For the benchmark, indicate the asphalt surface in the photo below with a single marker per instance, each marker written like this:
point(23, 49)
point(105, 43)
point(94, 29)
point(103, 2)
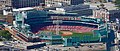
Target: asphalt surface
point(80, 48)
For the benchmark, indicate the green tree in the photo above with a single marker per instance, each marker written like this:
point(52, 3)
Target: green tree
point(5, 35)
point(117, 2)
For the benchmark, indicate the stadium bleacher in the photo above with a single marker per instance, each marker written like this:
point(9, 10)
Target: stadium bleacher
point(79, 29)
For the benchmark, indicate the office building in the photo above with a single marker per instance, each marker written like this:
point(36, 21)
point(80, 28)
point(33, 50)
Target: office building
point(109, 15)
point(26, 3)
point(4, 3)
point(66, 2)
point(103, 1)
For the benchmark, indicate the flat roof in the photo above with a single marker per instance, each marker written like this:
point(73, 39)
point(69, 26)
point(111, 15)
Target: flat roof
point(109, 5)
point(23, 9)
point(59, 12)
point(29, 43)
point(1, 43)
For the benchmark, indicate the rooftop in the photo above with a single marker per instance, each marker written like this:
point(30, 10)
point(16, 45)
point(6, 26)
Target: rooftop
point(60, 12)
point(23, 9)
point(109, 5)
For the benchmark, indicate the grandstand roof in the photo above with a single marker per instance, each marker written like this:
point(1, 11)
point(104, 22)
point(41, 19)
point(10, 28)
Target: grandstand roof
point(76, 7)
point(52, 13)
point(23, 9)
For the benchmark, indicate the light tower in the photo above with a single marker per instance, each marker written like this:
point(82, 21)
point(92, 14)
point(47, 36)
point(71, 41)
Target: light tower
point(23, 16)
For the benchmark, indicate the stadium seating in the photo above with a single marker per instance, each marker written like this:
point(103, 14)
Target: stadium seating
point(80, 29)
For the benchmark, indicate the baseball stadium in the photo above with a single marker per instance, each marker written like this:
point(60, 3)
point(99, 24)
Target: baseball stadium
point(65, 24)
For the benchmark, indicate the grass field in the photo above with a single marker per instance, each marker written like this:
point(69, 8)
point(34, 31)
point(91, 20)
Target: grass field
point(88, 36)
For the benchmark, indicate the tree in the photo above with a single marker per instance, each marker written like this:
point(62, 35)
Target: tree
point(5, 35)
point(117, 2)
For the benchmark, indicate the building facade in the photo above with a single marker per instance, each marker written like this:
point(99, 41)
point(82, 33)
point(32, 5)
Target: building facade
point(109, 15)
point(67, 2)
point(9, 18)
point(4, 3)
point(95, 1)
point(26, 3)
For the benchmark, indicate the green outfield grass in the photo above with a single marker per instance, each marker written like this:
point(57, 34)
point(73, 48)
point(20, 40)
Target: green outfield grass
point(88, 36)
point(84, 36)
